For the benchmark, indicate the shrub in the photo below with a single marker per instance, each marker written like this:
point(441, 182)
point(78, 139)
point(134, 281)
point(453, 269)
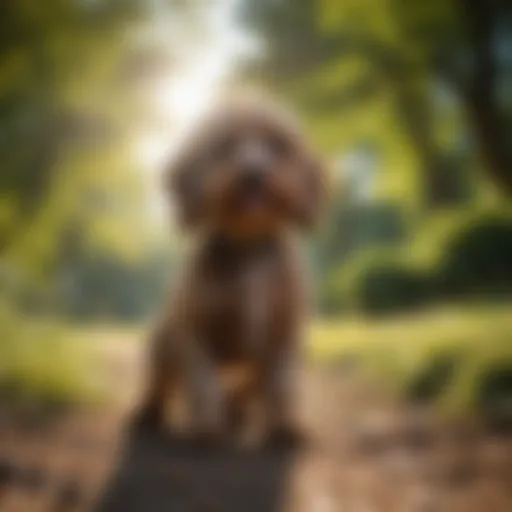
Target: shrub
point(456, 359)
point(375, 282)
point(433, 378)
point(494, 396)
point(478, 260)
point(468, 254)
point(389, 288)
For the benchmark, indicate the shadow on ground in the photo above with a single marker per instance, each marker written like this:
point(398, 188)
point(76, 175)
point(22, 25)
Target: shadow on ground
point(160, 473)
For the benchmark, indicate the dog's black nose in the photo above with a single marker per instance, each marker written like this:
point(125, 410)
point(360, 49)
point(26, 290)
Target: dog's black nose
point(253, 178)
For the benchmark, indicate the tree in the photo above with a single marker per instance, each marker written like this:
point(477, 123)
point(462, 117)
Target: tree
point(67, 71)
point(405, 52)
point(488, 25)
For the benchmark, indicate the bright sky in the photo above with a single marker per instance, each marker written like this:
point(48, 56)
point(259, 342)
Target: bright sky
point(206, 59)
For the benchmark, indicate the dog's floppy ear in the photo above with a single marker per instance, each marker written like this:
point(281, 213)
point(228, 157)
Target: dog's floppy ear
point(182, 181)
point(312, 193)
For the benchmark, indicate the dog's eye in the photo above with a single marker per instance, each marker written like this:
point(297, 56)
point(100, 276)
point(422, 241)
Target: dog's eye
point(279, 145)
point(224, 148)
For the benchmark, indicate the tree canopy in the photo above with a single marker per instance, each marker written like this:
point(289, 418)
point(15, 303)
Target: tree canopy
point(401, 75)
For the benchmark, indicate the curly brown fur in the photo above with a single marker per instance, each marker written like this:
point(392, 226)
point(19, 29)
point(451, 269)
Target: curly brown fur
point(244, 183)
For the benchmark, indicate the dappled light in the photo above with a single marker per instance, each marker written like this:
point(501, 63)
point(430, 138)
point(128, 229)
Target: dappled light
point(167, 166)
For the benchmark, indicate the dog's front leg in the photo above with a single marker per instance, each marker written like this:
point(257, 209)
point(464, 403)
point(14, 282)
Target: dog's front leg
point(279, 396)
point(160, 378)
point(206, 395)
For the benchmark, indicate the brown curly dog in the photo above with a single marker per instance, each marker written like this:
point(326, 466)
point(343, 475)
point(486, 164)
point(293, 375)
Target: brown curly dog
point(245, 184)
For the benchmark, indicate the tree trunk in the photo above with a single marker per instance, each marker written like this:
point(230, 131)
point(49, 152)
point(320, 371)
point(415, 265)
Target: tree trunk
point(480, 97)
point(440, 187)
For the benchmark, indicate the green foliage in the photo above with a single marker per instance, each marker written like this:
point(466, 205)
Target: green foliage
point(477, 259)
point(100, 286)
point(376, 282)
point(465, 254)
point(72, 195)
point(69, 113)
point(338, 289)
point(358, 226)
point(389, 75)
point(458, 358)
point(367, 71)
point(389, 288)
point(494, 395)
point(430, 381)
point(38, 364)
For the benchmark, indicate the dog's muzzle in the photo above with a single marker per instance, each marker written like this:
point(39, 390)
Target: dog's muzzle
point(253, 161)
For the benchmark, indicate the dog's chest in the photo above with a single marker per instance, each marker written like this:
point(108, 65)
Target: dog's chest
point(240, 309)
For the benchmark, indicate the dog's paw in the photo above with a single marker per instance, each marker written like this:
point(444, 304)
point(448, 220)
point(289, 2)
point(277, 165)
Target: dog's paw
point(145, 420)
point(286, 437)
point(236, 420)
point(206, 440)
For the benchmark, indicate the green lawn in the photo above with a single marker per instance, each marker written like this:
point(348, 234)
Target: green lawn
point(458, 357)
point(41, 363)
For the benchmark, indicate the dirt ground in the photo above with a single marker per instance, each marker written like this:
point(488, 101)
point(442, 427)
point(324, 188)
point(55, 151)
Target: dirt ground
point(364, 455)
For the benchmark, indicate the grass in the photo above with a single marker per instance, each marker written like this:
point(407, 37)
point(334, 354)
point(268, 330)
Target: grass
point(448, 356)
point(41, 364)
point(460, 359)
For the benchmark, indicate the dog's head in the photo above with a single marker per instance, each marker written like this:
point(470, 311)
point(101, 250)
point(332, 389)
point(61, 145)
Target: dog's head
point(247, 171)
